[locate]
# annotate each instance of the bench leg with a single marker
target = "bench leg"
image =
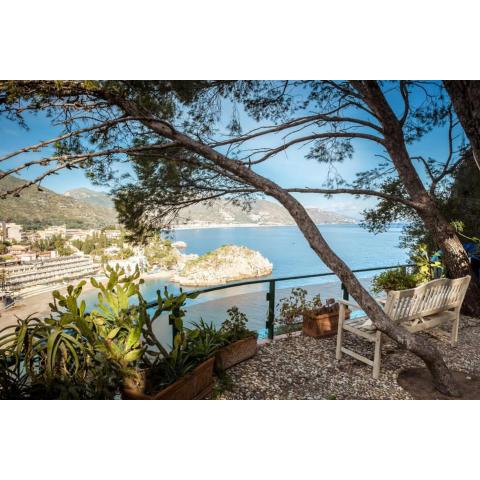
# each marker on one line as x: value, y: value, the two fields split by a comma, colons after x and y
x: 341, y: 318
x: 378, y: 354
x: 454, y: 335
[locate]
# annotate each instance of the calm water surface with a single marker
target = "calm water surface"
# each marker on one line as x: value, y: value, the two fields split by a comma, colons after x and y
x: 290, y: 254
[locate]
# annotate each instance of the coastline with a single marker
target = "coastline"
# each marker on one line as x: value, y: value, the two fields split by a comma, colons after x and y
x: 38, y: 303
x: 244, y: 225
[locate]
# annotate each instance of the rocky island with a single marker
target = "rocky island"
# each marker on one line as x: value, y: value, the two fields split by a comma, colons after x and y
x: 225, y: 264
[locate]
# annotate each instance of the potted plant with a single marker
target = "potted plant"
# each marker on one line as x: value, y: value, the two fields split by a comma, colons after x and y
x: 108, y: 351
x: 181, y: 375
x: 394, y: 279
x: 73, y: 354
x: 315, y: 318
x: 184, y: 373
x: 239, y: 343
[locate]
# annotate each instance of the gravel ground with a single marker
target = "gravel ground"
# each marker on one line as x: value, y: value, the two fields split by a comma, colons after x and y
x: 305, y: 368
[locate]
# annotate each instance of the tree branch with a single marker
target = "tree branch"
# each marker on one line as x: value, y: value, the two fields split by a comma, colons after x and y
x: 355, y: 191
x: 316, y: 136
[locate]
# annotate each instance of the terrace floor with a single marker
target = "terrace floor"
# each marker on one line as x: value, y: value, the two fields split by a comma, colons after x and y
x: 302, y: 367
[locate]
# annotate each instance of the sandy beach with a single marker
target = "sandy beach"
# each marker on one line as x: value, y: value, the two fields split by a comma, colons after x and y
x: 38, y: 304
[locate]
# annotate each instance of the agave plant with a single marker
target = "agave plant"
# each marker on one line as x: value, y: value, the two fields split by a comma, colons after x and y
x: 118, y: 325
x: 78, y: 354
x: 47, y: 355
x: 72, y: 353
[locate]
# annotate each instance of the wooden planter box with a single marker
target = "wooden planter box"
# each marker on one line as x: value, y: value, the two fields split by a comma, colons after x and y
x: 235, y: 353
x: 194, y: 386
x: 321, y: 325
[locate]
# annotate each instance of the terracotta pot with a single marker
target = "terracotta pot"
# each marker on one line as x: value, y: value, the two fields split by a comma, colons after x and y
x: 235, y: 353
x: 321, y: 325
x: 194, y: 386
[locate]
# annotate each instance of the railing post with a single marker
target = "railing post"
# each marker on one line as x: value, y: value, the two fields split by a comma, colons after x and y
x: 271, y: 309
x: 345, y: 293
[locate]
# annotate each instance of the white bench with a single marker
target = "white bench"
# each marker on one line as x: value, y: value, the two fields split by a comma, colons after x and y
x: 417, y: 309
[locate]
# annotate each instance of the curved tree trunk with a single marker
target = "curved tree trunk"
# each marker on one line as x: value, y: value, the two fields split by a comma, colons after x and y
x: 416, y: 344
x: 455, y: 257
x: 465, y: 97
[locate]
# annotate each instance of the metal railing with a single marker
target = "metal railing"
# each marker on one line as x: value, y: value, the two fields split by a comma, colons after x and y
x: 270, y: 297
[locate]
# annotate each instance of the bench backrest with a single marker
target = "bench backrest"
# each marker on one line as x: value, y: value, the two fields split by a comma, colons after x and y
x: 427, y: 299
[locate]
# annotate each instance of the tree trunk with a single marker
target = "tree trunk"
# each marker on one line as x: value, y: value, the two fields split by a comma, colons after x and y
x: 416, y: 344
x: 455, y: 258
x: 465, y: 97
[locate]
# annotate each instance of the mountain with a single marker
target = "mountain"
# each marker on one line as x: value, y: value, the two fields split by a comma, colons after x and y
x: 262, y: 212
x: 85, y: 208
x: 86, y: 195
x: 35, y: 209
x: 222, y: 212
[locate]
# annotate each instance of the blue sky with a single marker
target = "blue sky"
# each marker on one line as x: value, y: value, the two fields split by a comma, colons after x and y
x: 290, y: 169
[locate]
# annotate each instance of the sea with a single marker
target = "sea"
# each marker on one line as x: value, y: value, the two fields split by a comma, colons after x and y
x: 290, y: 254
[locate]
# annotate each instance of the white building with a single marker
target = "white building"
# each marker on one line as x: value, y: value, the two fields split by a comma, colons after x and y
x: 113, y: 250
x: 43, y: 271
x: 112, y: 234
x: 53, y: 231
x: 130, y: 264
x: 15, y: 232
x: 12, y: 232
x: 80, y: 234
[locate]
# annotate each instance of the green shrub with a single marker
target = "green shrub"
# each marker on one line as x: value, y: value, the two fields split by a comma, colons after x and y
x: 424, y: 266
x: 395, y: 279
x: 72, y: 353
x: 234, y: 328
x: 161, y: 252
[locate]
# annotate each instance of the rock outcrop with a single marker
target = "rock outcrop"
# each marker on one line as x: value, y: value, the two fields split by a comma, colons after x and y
x: 225, y: 264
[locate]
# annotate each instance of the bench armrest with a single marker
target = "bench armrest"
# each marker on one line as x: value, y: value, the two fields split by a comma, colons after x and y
x: 349, y: 304
x: 381, y: 301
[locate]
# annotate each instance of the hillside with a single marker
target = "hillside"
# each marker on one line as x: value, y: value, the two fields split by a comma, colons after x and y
x: 85, y: 208
x: 85, y: 195
x: 34, y: 209
x: 221, y: 212
x: 262, y: 212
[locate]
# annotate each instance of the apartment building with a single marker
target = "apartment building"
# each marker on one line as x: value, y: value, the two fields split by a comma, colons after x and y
x: 43, y: 271
x: 53, y: 231
x: 12, y: 232
x: 80, y: 234
x: 112, y: 234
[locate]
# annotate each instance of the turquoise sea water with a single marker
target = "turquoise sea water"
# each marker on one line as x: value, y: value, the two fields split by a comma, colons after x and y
x: 290, y: 254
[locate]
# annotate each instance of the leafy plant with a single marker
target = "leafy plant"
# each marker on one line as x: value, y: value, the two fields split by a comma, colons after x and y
x: 204, y: 340
x: 234, y: 328
x: 394, y: 279
x: 71, y: 353
x: 294, y: 307
x: 425, y: 267
x: 164, y: 367
x: 77, y: 354
x: 161, y: 252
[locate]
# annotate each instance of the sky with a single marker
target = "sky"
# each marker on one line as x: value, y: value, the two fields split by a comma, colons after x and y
x: 289, y: 169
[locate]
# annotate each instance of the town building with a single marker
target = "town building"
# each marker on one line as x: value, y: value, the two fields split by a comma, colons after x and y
x: 80, y: 234
x: 44, y: 271
x: 12, y: 232
x: 17, y: 249
x: 53, y: 231
x: 130, y: 264
x: 112, y: 234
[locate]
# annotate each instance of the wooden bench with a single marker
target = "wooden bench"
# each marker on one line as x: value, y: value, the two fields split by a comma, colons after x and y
x: 417, y: 309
